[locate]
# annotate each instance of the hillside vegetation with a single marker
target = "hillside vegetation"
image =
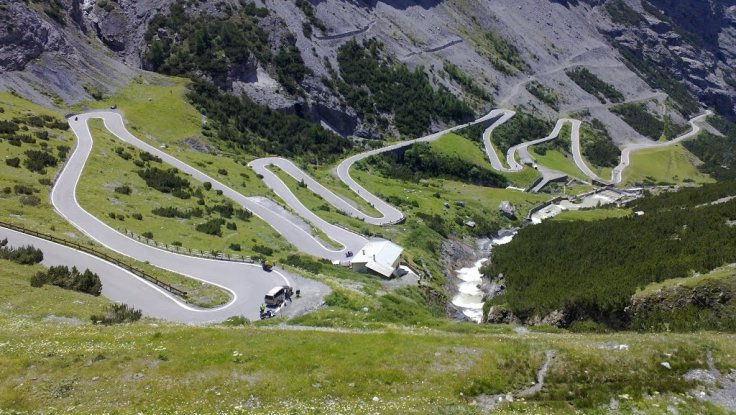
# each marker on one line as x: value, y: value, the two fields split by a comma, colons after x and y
x: 717, y: 153
x: 373, y: 84
x: 522, y: 127
x: 56, y: 358
x: 595, y: 86
x: 547, y: 268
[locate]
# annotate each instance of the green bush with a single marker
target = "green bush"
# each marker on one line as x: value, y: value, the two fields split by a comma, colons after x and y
x: 24, y: 255
x: 117, y: 314
x: 373, y: 85
x: 303, y: 262
x: 598, y: 146
x: 637, y: 116
x: 596, y: 279
x: 211, y: 227
x: 69, y: 279
x: 21, y: 189
x: 522, y: 127
x: 174, y: 212
x: 421, y: 162
x: 13, y: 162
x: 37, y: 161
x: 593, y: 85
x: 466, y: 82
x: 148, y: 235
x: 504, y: 56
x: 165, y: 181
x: 30, y: 200
x: 544, y: 94
x: 263, y: 250
x: 123, y: 190
x: 146, y: 157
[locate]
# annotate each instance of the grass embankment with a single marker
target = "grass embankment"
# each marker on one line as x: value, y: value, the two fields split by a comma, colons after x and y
x: 321, y: 208
x: 556, y: 160
x: 106, y: 170
x: 702, y: 301
x: 37, y: 213
x: 55, y: 358
x: 474, y: 153
x: 668, y: 165
x: 593, y: 214
x: 596, y: 279
x: 428, y: 221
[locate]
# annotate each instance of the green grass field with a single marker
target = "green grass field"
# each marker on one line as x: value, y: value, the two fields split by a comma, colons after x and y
x: 43, y: 218
x: 672, y: 164
x: 105, y: 171
x: 556, y: 160
x: 324, y: 210
x: 55, y: 358
x: 588, y: 215
x: 459, y: 146
x: 473, y: 153
x: 726, y: 272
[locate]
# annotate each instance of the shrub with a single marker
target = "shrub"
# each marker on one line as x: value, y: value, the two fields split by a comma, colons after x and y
x: 123, y: 190
x: 45, y: 181
x: 593, y: 85
x: 21, y: 189
x: 24, y: 255
x: 120, y: 151
x: 211, y: 227
x: 231, y: 226
x: 174, y: 212
x: 146, y: 156
x: 148, y: 235
x: 8, y: 127
x: 303, y: 262
x: 235, y: 247
x: 235, y: 321
x: 30, y: 200
x: 37, y: 161
x: 117, y: 314
x: 222, y: 172
x: 264, y: 250
x: 544, y: 94
x: 637, y: 116
x: 13, y: 162
x: 137, y: 216
x: 63, y: 151
x: 207, y: 185
x: 165, y: 181
x: 70, y: 279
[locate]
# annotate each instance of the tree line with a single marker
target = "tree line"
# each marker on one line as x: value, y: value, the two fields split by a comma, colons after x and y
x: 590, y: 270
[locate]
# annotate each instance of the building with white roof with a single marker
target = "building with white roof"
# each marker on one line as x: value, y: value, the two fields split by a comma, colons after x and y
x: 381, y: 257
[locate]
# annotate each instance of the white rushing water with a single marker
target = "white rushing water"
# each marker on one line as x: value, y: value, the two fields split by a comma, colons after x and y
x: 470, y: 296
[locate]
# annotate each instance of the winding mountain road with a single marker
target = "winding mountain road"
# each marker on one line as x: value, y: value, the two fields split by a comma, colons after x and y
x: 247, y: 283
x: 617, y: 174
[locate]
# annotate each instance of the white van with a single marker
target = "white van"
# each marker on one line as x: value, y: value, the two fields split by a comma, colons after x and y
x: 276, y: 296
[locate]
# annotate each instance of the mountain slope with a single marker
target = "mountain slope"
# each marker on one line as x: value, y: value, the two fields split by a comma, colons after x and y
x: 77, y: 49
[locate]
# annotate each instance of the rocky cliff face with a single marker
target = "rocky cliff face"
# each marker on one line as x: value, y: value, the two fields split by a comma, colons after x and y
x: 693, y: 42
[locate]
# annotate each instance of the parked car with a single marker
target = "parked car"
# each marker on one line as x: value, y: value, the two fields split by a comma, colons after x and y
x: 276, y: 296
